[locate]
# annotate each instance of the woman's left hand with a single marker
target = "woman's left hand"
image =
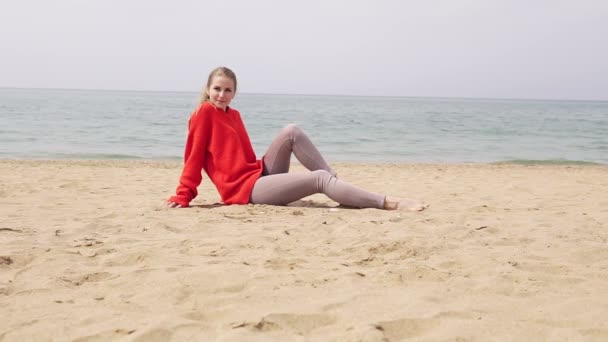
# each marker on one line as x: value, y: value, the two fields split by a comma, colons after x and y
x: 172, y: 205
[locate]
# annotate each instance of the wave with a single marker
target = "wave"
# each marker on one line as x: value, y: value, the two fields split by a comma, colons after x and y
x: 93, y: 156
x: 547, y: 162
x: 89, y: 156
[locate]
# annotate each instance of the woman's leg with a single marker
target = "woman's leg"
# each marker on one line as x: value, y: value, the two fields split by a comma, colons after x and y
x: 290, y: 140
x: 281, y: 189
x: 277, y: 187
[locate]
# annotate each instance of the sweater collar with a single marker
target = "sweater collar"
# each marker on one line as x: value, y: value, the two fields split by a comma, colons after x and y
x: 208, y: 103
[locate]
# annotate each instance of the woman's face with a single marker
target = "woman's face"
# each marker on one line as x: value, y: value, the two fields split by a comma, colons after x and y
x: 221, y: 91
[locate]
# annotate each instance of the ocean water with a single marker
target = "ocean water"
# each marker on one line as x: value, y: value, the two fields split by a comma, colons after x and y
x: 98, y: 124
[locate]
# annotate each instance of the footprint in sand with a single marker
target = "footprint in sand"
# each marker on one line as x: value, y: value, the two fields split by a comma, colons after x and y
x: 18, y: 261
x: 89, y: 247
x: 301, y: 324
x: 283, y: 263
x: 107, y: 335
x: 418, y: 273
x: 6, y: 289
x: 178, y: 332
x: 127, y: 259
x: 87, y: 278
x: 405, y: 328
x: 155, y: 335
x: 86, y: 242
x: 171, y: 229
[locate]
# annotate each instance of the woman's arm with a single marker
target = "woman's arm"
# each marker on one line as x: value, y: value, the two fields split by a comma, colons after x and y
x: 194, y: 159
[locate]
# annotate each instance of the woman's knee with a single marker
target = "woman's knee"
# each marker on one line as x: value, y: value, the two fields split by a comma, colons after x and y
x: 290, y: 126
x: 292, y: 130
x: 321, y: 178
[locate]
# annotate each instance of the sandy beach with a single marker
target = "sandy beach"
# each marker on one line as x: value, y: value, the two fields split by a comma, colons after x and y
x: 505, y: 252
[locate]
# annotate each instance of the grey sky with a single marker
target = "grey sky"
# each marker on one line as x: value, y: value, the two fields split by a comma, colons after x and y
x: 471, y: 48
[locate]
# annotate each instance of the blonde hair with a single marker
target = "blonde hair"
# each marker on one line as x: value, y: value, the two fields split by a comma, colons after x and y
x: 219, y: 71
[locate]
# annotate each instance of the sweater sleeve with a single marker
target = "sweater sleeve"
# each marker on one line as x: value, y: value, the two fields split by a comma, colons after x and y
x: 194, y: 159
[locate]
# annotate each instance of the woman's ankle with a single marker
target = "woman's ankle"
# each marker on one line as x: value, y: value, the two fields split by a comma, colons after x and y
x: 391, y: 203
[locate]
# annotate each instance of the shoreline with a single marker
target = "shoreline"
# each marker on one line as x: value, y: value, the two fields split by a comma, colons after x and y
x: 179, y: 161
x: 507, y: 251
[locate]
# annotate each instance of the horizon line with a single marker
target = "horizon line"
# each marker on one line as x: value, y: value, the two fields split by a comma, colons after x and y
x: 302, y: 94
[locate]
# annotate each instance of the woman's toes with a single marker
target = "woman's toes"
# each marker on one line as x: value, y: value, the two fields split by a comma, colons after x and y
x: 412, y: 205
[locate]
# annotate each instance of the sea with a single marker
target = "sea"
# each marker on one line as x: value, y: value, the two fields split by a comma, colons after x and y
x: 104, y: 124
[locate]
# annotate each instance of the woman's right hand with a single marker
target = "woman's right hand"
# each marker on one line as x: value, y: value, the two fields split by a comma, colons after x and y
x: 172, y: 205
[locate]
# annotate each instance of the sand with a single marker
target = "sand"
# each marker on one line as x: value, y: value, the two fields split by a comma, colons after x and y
x: 505, y: 252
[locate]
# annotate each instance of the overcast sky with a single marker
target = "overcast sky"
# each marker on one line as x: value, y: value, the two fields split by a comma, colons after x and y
x: 547, y: 49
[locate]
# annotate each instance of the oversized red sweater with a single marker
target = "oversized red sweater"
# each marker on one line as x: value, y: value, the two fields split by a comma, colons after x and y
x: 219, y: 144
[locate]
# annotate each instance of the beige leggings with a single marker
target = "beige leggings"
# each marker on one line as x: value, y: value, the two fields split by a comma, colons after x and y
x: 278, y: 187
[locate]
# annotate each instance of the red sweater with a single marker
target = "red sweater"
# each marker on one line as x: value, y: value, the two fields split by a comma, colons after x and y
x: 219, y: 144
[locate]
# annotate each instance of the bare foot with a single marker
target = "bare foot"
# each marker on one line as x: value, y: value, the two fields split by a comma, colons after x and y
x: 392, y: 203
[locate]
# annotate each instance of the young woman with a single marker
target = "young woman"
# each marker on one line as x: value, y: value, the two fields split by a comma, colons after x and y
x: 219, y: 144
